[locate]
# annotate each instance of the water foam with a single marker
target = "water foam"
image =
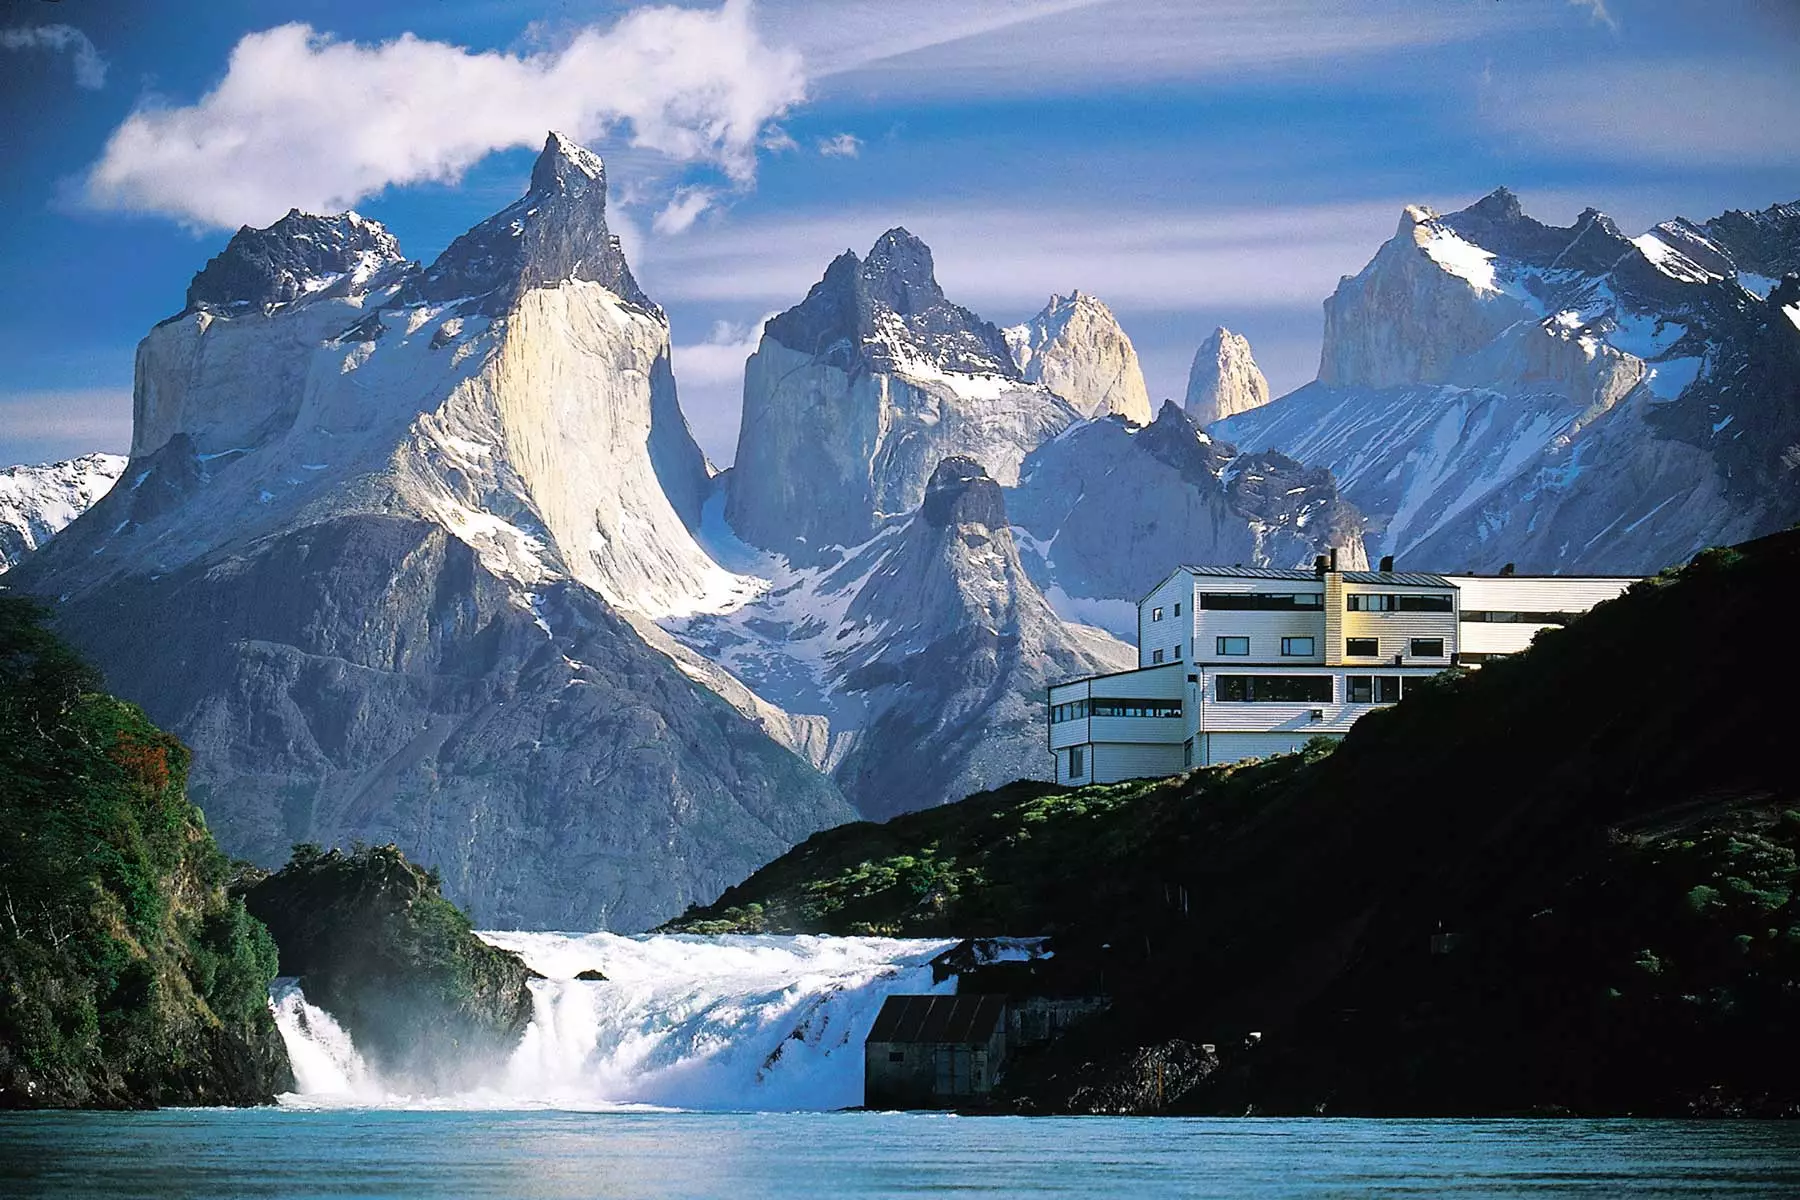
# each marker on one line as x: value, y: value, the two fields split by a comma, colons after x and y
x: 747, y: 1023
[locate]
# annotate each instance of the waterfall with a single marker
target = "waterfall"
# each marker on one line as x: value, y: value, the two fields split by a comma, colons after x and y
x: 327, y: 1068
x: 681, y: 1021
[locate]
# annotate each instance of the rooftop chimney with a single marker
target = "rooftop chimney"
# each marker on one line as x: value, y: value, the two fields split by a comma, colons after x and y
x: 1387, y: 564
x: 1508, y: 569
x: 1321, y: 564
x: 1333, y: 558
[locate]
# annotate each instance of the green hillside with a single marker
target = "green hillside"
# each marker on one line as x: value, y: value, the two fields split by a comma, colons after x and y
x: 1562, y: 883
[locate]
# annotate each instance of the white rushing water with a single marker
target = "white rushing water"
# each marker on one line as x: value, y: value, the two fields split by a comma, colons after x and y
x: 736, y: 1022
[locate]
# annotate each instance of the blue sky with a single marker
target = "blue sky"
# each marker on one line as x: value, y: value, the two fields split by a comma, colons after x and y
x: 1193, y: 163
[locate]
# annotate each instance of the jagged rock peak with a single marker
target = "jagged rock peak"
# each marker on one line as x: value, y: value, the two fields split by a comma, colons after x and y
x: 1076, y: 347
x: 556, y: 232
x: 886, y: 312
x: 960, y: 492
x: 1224, y: 379
x: 563, y: 166
x: 299, y: 255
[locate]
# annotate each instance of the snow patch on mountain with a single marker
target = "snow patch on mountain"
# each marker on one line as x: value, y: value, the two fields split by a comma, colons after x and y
x: 37, y: 502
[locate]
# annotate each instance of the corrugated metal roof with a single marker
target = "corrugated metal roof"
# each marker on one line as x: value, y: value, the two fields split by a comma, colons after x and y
x: 961, y: 1019
x: 1392, y: 578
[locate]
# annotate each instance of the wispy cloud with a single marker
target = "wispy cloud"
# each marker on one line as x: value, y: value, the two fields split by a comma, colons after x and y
x: 844, y: 145
x: 301, y: 118
x: 682, y: 210
x: 1597, y: 11
x: 90, y: 68
x: 41, y: 426
x: 1677, y: 113
x: 711, y: 376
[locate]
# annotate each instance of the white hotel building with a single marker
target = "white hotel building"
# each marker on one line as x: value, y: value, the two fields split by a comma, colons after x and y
x: 1240, y: 662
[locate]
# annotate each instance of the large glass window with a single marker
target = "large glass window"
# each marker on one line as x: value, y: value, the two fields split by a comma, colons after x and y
x: 1115, y: 707
x: 1362, y: 647
x: 1232, y: 645
x: 1072, y: 711
x: 1397, y: 602
x: 1487, y: 615
x: 1273, y: 689
x: 1372, y: 689
x: 1261, y: 601
x: 1296, y: 647
x: 1077, y: 767
x: 1428, y: 647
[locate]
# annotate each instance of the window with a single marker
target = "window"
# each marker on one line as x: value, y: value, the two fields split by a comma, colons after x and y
x: 1178, y: 608
x: 896, y: 1056
x: 1518, y: 618
x: 1362, y: 647
x: 1073, y: 711
x: 1187, y: 753
x: 1177, y: 651
x: 1156, y: 656
x: 1292, y: 647
x: 1156, y: 614
x: 1260, y: 601
x: 1372, y: 689
x: 1077, y: 768
x: 1274, y: 689
x: 1390, y: 602
x: 1387, y: 689
x: 1232, y: 645
x: 1115, y: 707
x: 1428, y: 647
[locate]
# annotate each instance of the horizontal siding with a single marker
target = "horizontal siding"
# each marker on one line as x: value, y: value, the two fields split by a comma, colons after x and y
x: 1395, y: 631
x: 1554, y: 594
x: 1064, y: 734
x: 1230, y: 747
x: 1138, y: 729
x: 1171, y: 631
x: 1480, y: 637
x: 1265, y: 631
x: 1114, y: 762
x: 1166, y: 682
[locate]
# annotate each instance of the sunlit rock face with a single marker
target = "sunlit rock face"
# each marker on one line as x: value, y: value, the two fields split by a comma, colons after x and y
x: 1224, y: 380
x: 1076, y: 348
x: 379, y: 554
x: 856, y: 394
x: 1493, y: 389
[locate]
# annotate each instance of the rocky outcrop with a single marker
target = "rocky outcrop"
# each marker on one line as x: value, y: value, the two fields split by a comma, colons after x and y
x: 298, y: 256
x: 1224, y: 380
x: 378, y: 563
x: 1493, y: 389
x: 433, y: 1008
x: 927, y: 650
x: 1076, y: 348
x: 37, y: 502
x: 1105, y: 512
x: 856, y: 394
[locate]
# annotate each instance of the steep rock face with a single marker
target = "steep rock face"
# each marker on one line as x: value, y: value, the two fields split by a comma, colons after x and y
x: 299, y: 255
x: 37, y: 502
x: 927, y: 650
x: 1105, y: 512
x: 1224, y: 380
x: 375, y: 551
x: 854, y: 396
x: 1076, y: 348
x: 1493, y: 389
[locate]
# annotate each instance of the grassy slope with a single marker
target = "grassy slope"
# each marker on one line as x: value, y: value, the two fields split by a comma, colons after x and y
x: 127, y: 976
x: 1603, y: 823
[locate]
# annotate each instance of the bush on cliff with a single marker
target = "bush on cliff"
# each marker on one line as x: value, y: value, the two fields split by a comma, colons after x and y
x: 128, y: 976
x: 430, y: 1005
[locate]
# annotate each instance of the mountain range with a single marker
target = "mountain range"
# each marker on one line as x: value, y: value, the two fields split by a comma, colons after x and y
x: 426, y: 554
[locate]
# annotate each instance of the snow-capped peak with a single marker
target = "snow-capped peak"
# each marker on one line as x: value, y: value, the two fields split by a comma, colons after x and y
x: 300, y: 255
x: 1076, y: 347
x: 37, y: 502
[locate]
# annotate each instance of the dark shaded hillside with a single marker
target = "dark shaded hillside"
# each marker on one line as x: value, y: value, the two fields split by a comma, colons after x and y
x: 1562, y: 883
x: 128, y: 977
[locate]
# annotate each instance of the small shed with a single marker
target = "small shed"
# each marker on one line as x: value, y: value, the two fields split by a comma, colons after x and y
x: 934, y: 1051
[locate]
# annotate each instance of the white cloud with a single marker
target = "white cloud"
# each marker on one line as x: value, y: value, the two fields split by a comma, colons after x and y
x: 844, y: 145
x: 710, y: 375
x: 1678, y: 113
x: 41, y: 426
x: 90, y: 68
x: 682, y: 210
x: 302, y: 119
x: 1597, y: 12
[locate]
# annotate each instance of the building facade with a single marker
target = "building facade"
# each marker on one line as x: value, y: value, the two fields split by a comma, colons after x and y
x: 1243, y: 662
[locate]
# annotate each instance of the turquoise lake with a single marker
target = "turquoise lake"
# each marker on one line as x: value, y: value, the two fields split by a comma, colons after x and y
x: 282, y: 1153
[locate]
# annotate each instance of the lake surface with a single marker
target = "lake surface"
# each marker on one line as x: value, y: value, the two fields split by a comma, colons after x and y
x: 699, y: 1156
